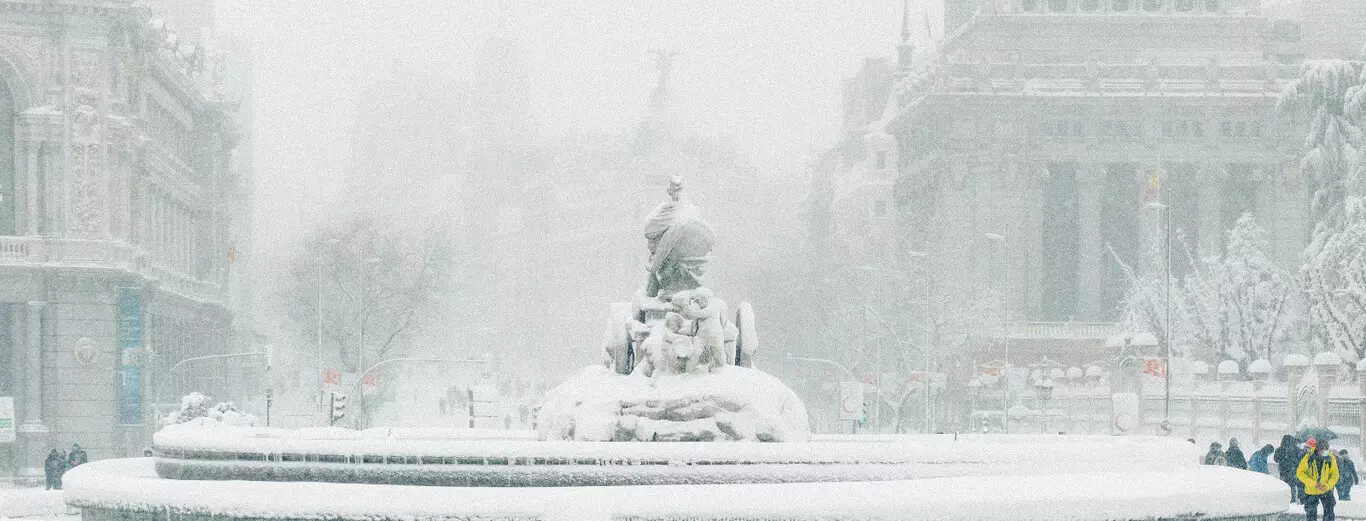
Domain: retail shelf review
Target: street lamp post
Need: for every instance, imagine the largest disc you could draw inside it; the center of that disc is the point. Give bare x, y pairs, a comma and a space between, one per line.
1167, 304
837, 365
925, 272
161, 385
321, 377
364, 303
1005, 325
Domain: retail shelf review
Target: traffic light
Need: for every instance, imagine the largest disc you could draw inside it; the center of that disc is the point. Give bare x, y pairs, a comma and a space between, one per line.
863, 413
338, 408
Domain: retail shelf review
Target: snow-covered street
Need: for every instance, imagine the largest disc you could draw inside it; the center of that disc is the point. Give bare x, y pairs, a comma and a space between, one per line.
33, 503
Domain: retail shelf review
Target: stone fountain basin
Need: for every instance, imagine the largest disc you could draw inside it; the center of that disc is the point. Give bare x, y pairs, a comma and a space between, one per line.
130, 490
426, 458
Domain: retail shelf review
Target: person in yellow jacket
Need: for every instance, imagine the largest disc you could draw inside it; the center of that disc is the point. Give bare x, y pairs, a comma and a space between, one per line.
1318, 471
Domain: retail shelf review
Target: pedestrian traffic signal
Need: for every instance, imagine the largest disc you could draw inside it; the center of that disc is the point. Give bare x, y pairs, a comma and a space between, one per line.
338, 410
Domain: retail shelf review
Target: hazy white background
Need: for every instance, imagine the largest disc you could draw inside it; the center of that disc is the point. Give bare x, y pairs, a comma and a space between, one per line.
764, 73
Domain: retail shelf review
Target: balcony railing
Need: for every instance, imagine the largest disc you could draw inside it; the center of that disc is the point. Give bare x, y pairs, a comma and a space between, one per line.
90, 253
1065, 330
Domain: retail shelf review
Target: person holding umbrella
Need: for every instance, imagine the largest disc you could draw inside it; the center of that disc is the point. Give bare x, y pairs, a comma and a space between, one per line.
1318, 471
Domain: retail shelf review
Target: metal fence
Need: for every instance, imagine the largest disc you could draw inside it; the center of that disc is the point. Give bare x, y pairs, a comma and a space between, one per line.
1253, 417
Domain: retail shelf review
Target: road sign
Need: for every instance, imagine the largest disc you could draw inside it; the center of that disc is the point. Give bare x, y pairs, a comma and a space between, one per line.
7, 433
869, 381
918, 379
369, 384
1154, 367
851, 400
332, 380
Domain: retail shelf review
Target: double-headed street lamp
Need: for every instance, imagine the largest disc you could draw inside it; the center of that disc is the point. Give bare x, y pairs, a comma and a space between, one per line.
1005, 321
925, 272
1167, 304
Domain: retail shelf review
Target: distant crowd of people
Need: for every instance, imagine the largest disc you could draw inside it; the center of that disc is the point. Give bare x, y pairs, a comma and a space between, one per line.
60, 461
1309, 467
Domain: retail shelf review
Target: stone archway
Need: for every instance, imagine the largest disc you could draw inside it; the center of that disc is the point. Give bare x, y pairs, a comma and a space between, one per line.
9, 178
15, 98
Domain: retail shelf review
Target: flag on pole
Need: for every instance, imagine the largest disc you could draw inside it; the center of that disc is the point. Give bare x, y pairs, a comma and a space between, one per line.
1152, 193
929, 35
1154, 186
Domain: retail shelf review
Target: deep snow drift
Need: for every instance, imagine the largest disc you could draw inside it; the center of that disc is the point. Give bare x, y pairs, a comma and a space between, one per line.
730, 403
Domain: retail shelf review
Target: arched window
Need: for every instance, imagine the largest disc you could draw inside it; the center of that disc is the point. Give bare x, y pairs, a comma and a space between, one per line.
1057, 6
1212, 6
7, 173
1028, 5
1090, 6
1120, 5
1185, 6
1152, 5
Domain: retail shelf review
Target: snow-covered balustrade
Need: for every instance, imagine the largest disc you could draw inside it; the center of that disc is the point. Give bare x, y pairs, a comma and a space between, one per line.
1255, 412
130, 490
338, 455
1069, 330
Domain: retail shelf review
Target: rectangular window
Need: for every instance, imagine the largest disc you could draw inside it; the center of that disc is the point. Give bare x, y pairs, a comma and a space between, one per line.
879, 209
881, 160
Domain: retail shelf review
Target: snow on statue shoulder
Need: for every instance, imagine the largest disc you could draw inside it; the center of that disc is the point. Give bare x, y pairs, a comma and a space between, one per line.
679, 365
680, 245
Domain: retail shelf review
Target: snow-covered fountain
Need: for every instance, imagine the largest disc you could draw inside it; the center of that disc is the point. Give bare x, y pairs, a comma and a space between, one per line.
678, 365
678, 411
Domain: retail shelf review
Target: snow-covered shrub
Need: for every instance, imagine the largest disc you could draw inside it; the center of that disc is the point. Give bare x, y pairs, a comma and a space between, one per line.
195, 409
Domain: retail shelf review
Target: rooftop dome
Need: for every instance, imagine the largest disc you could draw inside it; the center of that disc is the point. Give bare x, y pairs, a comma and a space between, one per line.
1259, 366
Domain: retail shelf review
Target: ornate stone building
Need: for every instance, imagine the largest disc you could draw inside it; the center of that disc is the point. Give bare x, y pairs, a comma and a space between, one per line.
1019, 155
122, 209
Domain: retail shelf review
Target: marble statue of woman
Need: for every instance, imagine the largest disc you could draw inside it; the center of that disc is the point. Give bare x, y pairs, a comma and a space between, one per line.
680, 245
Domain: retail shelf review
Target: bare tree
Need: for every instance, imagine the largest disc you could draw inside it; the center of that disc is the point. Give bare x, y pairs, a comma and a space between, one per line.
374, 282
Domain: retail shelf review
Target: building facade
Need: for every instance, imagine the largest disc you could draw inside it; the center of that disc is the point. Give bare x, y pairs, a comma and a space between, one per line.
1021, 154
121, 211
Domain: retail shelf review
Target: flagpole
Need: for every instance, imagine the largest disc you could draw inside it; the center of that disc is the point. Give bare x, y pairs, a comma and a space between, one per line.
1167, 331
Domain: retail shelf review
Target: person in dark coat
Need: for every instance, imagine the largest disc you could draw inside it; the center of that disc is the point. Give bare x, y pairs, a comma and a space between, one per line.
1234, 455
1319, 473
1287, 458
52, 469
1216, 456
1347, 476
77, 456
1259, 462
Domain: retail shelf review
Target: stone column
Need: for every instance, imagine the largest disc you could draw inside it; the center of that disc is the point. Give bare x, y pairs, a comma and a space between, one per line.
35, 218
1090, 245
1294, 374
1211, 188
1361, 398
33, 434
1328, 377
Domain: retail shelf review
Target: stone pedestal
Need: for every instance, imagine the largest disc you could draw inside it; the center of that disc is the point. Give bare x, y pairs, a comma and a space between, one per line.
33, 434
33, 448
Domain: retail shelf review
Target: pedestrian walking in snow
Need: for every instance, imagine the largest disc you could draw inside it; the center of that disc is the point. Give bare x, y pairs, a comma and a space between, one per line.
61, 468
1235, 455
1318, 471
77, 456
1287, 459
1259, 462
52, 469
1347, 475
1215, 456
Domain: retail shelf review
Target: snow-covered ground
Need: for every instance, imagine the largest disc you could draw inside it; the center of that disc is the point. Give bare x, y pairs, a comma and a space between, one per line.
31, 502
1190, 491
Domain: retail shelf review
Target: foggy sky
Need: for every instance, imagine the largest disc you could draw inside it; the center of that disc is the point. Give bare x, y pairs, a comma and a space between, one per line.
764, 73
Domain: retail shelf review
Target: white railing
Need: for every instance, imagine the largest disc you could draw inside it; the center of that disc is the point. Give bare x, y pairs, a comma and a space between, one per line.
184, 285
1206, 413
14, 247
1065, 330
